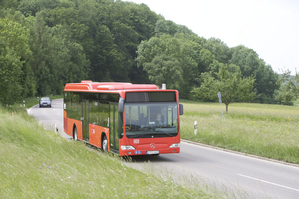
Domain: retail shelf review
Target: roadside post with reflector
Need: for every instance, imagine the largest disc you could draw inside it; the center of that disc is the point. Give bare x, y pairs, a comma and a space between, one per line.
219, 96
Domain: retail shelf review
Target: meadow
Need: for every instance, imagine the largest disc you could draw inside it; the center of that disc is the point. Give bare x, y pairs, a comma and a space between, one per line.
36, 163
264, 130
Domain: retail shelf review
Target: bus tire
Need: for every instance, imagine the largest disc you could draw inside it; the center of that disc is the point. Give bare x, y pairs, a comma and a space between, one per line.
104, 143
75, 134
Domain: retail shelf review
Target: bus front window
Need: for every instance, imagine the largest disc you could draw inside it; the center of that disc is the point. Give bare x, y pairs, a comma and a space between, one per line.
145, 120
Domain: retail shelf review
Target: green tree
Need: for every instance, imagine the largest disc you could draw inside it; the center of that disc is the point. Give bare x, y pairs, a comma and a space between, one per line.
69, 61
41, 45
13, 4
250, 64
219, 49
105, 59
173, 50
27, 78
14, 51
289, 87
170, 28
32, 7
230, 84
164, 69
57, 58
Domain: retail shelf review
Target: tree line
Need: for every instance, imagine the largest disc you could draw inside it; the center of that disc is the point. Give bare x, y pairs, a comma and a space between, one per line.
45, 44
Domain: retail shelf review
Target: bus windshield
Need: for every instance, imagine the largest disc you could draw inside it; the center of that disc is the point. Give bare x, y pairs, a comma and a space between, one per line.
149, 120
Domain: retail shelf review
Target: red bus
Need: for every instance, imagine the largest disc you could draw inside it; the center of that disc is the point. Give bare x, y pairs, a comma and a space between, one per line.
124, 118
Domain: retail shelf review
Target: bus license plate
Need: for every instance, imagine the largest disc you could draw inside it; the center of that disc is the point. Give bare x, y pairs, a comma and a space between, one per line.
152, 152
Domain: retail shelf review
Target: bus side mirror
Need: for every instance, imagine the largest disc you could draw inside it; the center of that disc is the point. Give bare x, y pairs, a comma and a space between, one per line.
121, 105
181, 109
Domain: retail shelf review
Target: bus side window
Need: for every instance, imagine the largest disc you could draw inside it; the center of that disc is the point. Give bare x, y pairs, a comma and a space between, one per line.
104, 114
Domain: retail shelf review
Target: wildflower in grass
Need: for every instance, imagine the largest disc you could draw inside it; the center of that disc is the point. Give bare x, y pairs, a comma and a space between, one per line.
115, 195
44, 187
61, 180
69, 177
114, 188
44, 164
103, 186
41, 167
49, 167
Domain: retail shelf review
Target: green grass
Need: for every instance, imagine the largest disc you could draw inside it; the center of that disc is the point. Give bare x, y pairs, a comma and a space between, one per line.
36, 163
264, 130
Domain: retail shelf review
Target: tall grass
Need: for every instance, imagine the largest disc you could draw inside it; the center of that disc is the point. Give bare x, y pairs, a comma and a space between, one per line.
36, 163
265, 130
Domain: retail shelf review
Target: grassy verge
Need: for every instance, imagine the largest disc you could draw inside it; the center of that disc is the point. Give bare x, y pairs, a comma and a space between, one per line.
265, 130
38, 164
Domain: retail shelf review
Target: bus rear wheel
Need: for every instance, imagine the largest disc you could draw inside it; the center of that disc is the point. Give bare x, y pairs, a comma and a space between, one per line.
104, 143
75, 134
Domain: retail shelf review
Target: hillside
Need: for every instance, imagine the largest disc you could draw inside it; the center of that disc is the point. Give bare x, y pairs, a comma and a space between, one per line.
36, 163
60, 41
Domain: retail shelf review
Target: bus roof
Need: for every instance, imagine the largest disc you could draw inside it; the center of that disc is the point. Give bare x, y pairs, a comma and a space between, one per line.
87, 85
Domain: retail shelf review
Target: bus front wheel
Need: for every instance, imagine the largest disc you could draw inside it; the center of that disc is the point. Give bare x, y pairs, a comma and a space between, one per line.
105, 143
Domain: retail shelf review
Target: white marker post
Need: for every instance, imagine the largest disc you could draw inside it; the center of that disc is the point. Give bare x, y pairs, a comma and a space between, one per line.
55, 128
195, 127
219, 96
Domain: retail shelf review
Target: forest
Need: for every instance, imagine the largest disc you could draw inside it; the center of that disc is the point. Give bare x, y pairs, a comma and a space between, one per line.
45, 44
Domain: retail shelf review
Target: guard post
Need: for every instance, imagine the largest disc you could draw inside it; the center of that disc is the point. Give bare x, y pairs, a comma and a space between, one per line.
195, 127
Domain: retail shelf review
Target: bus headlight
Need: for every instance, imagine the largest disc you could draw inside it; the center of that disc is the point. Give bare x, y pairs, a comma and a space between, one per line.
127, 147
175, 145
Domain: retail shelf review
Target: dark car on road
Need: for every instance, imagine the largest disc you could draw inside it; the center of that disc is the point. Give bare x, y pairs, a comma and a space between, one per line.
45, 101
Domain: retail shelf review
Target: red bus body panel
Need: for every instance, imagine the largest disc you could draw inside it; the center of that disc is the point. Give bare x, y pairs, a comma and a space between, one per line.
95, 133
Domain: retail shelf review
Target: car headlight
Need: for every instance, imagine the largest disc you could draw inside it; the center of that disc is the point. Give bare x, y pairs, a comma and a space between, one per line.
127, 147
175, 145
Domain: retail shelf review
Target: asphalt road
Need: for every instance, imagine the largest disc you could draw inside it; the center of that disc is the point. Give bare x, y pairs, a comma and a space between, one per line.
50, 118
248, 176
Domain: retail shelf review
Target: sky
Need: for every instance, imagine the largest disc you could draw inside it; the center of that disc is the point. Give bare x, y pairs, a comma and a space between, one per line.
269, 27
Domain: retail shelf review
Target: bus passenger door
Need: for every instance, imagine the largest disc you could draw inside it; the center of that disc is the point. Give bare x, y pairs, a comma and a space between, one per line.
85, 128
113, 126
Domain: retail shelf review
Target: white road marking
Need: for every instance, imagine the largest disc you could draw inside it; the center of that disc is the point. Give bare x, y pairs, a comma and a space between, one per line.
28, 111
279, 185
